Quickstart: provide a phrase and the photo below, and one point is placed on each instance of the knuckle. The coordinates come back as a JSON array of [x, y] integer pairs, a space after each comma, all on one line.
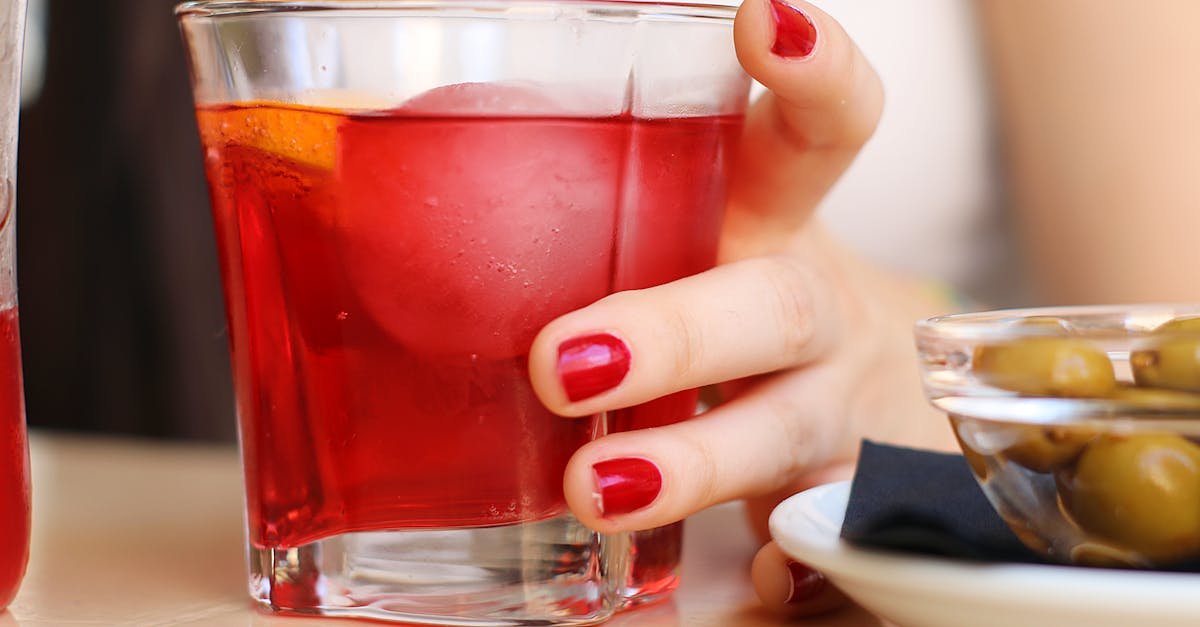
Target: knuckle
[[687, 341], [678, 332], [703, 476], [799, 442], [790, 307], [814, 429]]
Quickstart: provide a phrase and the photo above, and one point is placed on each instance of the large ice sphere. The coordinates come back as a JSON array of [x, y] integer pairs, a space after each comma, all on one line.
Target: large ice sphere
[[468, 233]]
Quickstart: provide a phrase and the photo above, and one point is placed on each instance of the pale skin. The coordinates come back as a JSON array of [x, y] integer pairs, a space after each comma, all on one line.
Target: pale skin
[[810, 344]]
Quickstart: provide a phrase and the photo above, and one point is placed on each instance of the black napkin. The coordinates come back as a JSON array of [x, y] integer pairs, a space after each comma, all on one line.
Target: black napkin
[[925, 502]]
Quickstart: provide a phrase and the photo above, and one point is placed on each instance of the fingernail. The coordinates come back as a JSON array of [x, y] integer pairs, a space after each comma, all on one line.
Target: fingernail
[[806, 582], [795, 34], [625, 485], [592, 364]]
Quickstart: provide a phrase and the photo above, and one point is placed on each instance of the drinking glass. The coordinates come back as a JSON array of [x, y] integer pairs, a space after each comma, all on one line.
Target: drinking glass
[[14, 451], [404, 193]]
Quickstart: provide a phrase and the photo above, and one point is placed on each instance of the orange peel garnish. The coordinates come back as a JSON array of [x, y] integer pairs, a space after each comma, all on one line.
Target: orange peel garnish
[[304, 135]]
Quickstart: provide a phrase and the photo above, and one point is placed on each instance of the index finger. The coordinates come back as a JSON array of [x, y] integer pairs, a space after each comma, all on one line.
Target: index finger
[[824, 103]]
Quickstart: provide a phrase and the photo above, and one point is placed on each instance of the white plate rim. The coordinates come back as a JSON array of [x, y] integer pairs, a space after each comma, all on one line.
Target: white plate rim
[[807, 527]]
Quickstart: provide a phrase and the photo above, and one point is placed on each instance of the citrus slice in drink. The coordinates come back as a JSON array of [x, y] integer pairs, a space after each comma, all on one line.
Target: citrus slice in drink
[[306, 136], [278, 161]]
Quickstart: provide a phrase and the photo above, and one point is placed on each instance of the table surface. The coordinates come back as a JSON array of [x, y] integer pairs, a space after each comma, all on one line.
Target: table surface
[[133, 532]]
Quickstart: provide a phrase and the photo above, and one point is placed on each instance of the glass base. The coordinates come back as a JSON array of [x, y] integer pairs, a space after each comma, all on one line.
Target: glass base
[[549, 572], [654, 565]]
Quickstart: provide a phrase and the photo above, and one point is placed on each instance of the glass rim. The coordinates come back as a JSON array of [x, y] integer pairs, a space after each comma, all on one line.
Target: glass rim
[[998, 324], [721, 10], [1109, 414]]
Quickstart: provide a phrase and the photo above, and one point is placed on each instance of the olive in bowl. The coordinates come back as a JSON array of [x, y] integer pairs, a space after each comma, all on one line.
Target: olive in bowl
[[1081, 425]]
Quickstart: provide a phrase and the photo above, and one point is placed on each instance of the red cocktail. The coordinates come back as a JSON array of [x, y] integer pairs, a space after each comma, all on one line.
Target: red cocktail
[[386, 273], [405, 194]]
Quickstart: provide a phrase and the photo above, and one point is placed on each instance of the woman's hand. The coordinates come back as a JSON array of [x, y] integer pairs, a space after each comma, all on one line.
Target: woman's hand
[[812, 345]]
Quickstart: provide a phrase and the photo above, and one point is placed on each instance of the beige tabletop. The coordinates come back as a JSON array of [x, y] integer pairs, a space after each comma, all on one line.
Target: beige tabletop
[[150, 533]]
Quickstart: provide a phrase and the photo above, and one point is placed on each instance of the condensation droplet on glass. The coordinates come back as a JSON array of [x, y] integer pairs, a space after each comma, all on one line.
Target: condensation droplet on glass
[[343, 315]]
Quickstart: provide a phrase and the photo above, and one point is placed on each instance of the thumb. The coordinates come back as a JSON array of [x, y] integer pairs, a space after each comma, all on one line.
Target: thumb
[[790, 588]]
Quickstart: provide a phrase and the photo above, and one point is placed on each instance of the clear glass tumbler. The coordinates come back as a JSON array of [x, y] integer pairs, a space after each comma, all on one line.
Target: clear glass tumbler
[[14, 451], [404, 193]]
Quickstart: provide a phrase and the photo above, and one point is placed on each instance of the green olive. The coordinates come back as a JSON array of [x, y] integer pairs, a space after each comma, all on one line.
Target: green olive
[[1170, 362], [1046, 366], [1182, 324], [1047, 449], [1141, 492], [976, 460]]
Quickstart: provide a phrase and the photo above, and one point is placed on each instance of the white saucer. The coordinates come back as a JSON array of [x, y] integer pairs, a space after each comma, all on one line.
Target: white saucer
[[918, 591]]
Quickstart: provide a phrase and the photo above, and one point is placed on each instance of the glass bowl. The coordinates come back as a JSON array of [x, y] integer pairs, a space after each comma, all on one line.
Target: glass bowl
[[1081, 424]]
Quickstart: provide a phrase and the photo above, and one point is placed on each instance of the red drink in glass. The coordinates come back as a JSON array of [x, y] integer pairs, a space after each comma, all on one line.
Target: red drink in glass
[[14, 462], [385, 274], [405, 194]]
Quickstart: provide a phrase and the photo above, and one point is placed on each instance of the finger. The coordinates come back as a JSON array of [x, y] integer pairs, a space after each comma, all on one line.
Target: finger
[[758, 511], [755, 445], [740, 319], [791, 588], [824, 103]]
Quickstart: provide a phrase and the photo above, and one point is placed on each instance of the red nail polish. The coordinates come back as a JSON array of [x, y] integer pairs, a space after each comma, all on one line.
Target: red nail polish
[[592, 364], [625, 485], [806, 582], [795, 34]]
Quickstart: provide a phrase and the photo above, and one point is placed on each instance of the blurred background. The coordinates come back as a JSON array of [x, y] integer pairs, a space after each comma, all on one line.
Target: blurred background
[[121, 315]]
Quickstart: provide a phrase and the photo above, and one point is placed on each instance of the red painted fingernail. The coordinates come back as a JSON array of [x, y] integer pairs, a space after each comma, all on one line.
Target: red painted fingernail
[[625, 485], [592, 364], [806, 582], [795, 34]]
